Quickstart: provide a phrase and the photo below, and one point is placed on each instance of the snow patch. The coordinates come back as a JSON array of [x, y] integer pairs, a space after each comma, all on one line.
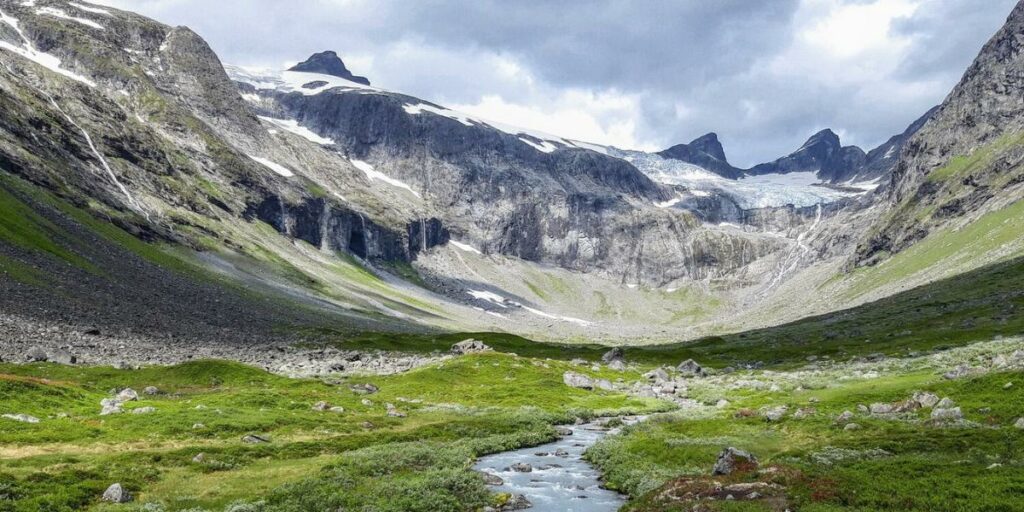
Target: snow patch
[[543, 147], [464, 247], [294, 127], [291, 81], [59, 13], [557, 317], [491, 297], [29, 52], [273, 166], [251, 98], [87, 8], [377, 175], [450, 114]]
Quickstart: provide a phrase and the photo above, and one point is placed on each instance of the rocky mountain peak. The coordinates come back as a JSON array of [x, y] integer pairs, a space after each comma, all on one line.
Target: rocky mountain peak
[[709, 144], [823, 143], [328, 63], [704, 151]]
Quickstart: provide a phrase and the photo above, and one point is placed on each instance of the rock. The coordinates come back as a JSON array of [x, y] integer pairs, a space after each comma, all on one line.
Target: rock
[[321, 406], [731, 460], [880, 408], [197, 426], [1019, 424], [150, 391], [615, 354], [492, 479], [521, 467], [952, 414], [722, 403], [775, 413], [690, 368], [517, 502], [563, 431], [367, 402], [24, 418], [364, 389], [851, 426], [1008, 385], [254, 439], [561, 453], [35, 355], [337, 408], [127, 395], [577, 380], [604, 384], [925, 399], [657, 375], [846, 416], [469, 346], [110, 406], [804, 412], [144, 410], [395, 413], [617, 365], [945, 403], [958, 372], [863, 409], [61, 356], [116, 494], [199, 458]]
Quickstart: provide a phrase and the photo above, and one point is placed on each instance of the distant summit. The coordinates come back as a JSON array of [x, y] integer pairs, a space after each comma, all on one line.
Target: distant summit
[[328, 63], [704, 151]]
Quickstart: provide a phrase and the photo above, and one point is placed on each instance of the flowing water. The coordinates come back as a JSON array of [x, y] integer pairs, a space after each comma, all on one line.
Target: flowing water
[[557, 483]]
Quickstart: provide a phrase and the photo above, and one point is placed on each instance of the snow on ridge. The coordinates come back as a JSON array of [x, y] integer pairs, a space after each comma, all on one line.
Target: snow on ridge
[[491, 297], [29, 52], [293, 126], [273, 166], [464, 247], [420, 108], [374, 174], [60, 13], [500, 301], [543, 147], [86, 8], [291, 81]]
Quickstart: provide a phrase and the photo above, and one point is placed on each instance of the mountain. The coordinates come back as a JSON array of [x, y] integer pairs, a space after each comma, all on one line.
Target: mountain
[[822, 154], [880, 161], [706, 152], [965, 166], [328, 63]]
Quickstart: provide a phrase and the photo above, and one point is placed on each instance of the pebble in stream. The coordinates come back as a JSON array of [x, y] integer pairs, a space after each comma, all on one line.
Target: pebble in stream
[[557, 483]]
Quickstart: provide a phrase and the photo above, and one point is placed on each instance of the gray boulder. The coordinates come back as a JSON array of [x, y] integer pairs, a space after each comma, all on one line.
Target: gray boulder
[[61, 356], [24, 418], [254, 439], [577, 380], [35, 355], [469, 346], [880, 408], [1019, 424], [521, 467], [144, 410], [127, 395], [925, 399], [732, 459], [116, 494], [775, 413], [617, 365], [615, 354], [951, 414], [364, 389], [491, 479], [151, 391], [690, 368], [517, 502]]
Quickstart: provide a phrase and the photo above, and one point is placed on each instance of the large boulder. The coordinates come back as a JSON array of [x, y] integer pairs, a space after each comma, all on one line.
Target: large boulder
[[116, 494], [925, 399], [615, 354], [517, 502], [61, 356], [577, 380], [469, 346], [731, 460], [690, 368], [127, 395], [951, 414], [36, 355]]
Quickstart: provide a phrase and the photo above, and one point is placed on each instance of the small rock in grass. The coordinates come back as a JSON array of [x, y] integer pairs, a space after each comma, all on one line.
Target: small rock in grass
[[337, 408], [367, 402], [24, 418], [845, 417], [851, 426], [775, 413], [945, 403], [144, 410], [521, 467], [1019, 424], [690, 368], [116, 494], [127, 395], [615, 354], [863, 409], [364, 389], [925, 399], [469, 346], [366, 425], [150, 391], [254, 439], [617, 365], [951, 414], [1008, 385], [880, 408], [731, 460], [199, 458], [197, 426], [577, 380], [722, 403], [958, 372], [321, 406]]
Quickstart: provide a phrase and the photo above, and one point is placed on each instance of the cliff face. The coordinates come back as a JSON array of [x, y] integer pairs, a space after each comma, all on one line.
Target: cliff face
[[968, 158]]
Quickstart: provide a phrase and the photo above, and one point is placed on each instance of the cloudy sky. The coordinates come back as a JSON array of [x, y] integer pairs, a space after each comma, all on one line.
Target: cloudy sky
[[763, 74]]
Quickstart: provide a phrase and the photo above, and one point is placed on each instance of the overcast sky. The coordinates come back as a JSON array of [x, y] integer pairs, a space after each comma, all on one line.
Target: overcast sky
[[763, 74]]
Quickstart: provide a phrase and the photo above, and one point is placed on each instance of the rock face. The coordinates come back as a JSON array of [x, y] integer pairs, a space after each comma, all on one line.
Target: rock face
[[707, 152], [328, 63], [980, 118], [732, 460]]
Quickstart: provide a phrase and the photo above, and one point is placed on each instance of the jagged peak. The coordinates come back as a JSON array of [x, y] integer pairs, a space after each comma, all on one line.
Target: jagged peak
[[328, 63]]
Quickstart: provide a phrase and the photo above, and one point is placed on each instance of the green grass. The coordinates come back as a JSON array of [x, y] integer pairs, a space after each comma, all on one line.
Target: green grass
[[466, 407]]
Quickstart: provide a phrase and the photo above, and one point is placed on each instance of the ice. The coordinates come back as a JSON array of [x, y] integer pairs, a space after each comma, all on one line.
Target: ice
[[377, 175], [464, 247], [58, 13], [42, 58], [294, 127], [291, 81], [543, 147], [87, 8], [273, 166]]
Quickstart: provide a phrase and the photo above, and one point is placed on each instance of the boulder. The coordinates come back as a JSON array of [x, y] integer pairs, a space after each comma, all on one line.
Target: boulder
[[1019, 424], [337, 408], [24, 418], [364, 389], [35, 355], [945, 403], [61, 356], [615, 354], [199, 458], [731, 460], [254, 439], [577, 380], [617, 365], [880, 408], [604, 384], [521, 467], [150, 391], [321, 406], [563, 431], [775, 413], [517, 502], [690, 368], [851, 426], [144, 410], [110, 406], [958, 372], [469, 346], [925, 399], [951, 414], [561, 453], [127, 395], [492, 479], [845, 417], [116, 494], [657, 375]]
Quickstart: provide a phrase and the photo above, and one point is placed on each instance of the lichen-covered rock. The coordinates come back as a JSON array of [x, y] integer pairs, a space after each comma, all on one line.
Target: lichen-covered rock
[[732, 460], [577, 380], [116, 494]]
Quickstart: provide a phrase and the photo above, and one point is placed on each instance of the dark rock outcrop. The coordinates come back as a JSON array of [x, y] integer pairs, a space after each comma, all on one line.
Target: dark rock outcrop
[[704, 151], [822, 154], [328, 63]]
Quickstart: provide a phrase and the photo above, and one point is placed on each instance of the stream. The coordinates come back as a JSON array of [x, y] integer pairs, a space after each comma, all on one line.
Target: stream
[[557, 483]]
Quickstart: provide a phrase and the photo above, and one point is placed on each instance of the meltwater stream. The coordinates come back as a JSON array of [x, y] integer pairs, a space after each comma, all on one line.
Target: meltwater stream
[[557, 483]]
